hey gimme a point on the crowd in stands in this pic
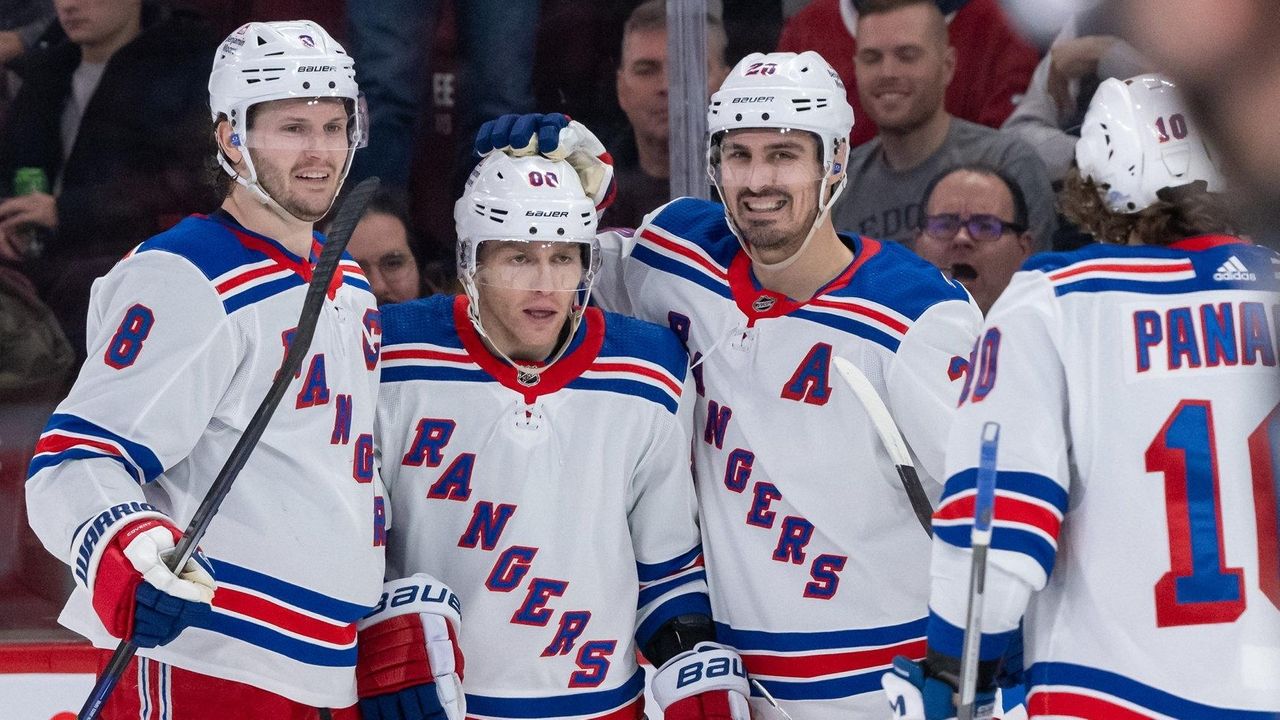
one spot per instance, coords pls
(963, 131)
(106, 99)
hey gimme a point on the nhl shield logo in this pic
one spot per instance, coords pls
(763, 303)
(526, 378)
(307, 40)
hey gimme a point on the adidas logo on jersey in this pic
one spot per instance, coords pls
(1233, 269)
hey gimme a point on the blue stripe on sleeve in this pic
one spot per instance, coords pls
(295, 595)
(694, 603)
(649, 572)
(140, 455)
(657, 590)
(278, 642)
(1003, 538)
(1008, 481)
(949, 639)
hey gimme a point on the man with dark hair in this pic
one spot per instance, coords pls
(381, 244)
(816, 560)
(644, 179)
(904, 65)
(975, 229)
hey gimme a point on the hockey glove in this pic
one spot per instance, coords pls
(133, 592)
(916, 694)
(707, 682)
(557, 137)
(409, 665)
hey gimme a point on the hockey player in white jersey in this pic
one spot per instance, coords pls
(1134, 388)
(536, 455)
(185, 336)
(817, 566)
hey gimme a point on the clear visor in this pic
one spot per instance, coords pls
(559, 266)
(765, 158)
(326, 124)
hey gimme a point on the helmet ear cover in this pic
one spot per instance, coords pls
(1137, 139)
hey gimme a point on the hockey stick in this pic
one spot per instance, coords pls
(891, 438)
(326, 265)
(770, 699)
(980, 539)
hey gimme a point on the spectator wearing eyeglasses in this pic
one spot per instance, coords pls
(380, 243)
(974, 229)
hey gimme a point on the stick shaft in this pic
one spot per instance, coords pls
(325, 267)
(891, 438)
(980, 541)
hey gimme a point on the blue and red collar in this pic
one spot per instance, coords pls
(583, 350)
(279, 254)
(758, 303)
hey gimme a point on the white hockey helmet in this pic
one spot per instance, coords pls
(529, 199)
(265, 61)
(787, 92)
(1139, 137)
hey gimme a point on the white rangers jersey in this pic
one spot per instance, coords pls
(1139, 411)
(817, 566)
(562, 513)
(185, 336)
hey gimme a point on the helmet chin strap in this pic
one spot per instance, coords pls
(823, 209)
(253, 186)
(525, 374)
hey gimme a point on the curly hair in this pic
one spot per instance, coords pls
(1179, 213)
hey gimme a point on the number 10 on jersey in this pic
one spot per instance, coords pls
(1200, 588)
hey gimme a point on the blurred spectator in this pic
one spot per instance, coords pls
(643, 171)
(389, 40)
(224, 16)
(992, 63)
(1226, 61)
(1048, 116)
(380, 243)
(904, 65)
(975, 229)
(22, 22)
(116, 115)
(578, 78)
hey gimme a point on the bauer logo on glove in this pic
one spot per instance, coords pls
(420, 589)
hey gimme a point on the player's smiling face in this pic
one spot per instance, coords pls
(299, 148)
(526, 292)
(770, 181)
